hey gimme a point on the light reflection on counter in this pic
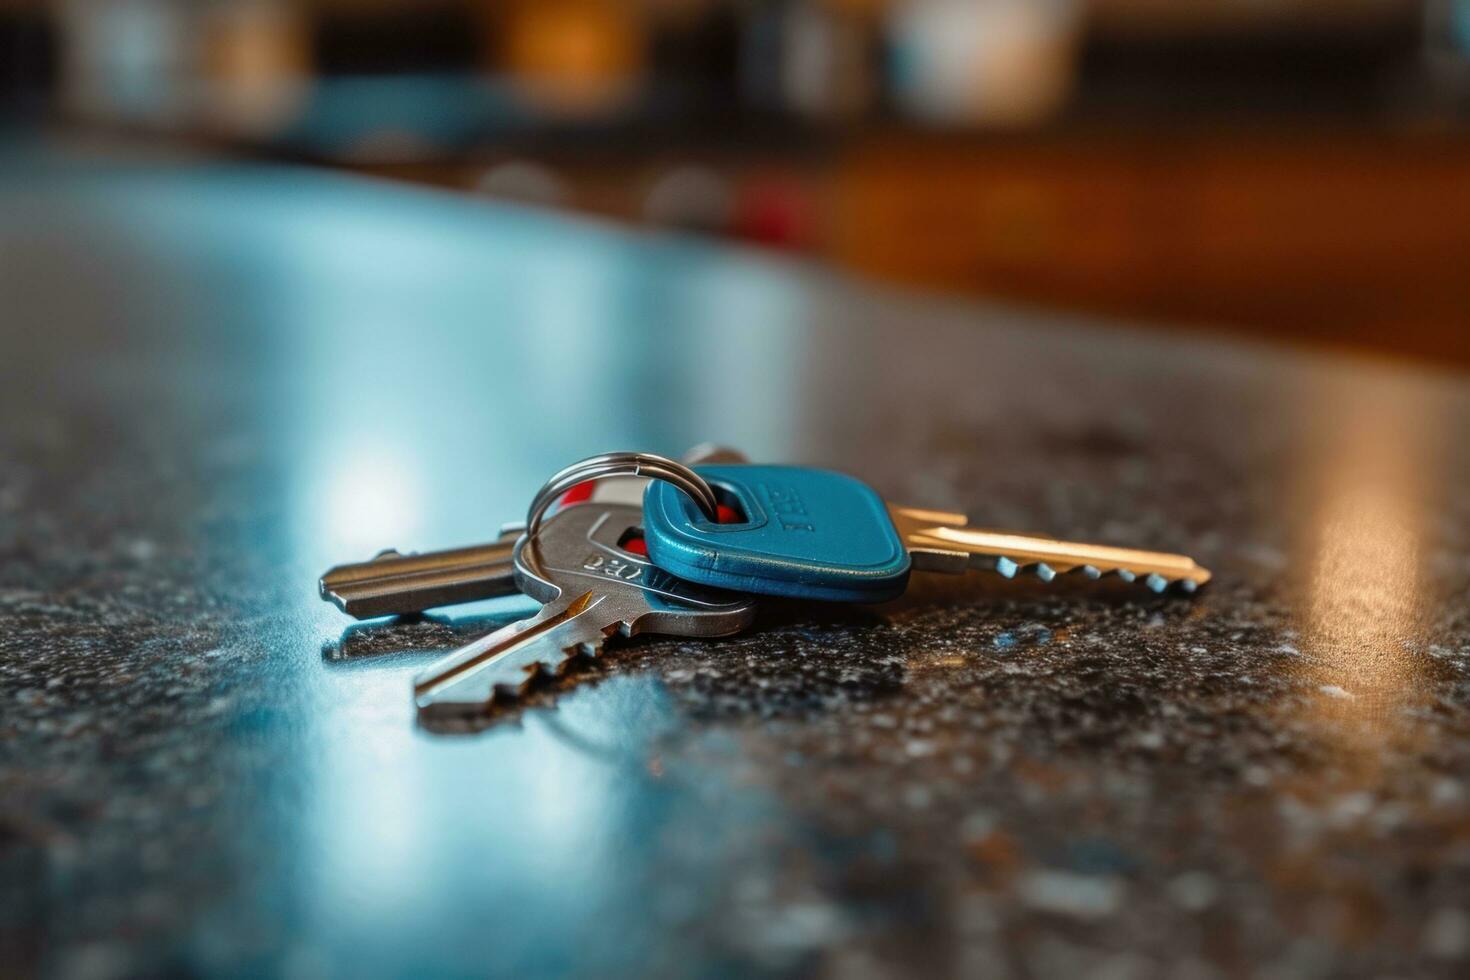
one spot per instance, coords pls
(403, 435)
(1366, 591)
(541, 822)
(409, 359)
(369, 497)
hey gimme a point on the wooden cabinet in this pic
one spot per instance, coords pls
(1326, 236)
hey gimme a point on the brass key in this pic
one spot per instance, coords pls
(942, 541)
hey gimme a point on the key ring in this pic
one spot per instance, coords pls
(649, 465)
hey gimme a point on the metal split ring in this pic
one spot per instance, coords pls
(648, 465)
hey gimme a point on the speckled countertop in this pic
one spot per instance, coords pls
(216, 381)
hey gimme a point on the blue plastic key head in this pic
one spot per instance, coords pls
(806, 534)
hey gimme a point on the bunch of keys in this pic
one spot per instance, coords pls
(641, 543)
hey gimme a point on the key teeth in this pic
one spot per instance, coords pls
(1153, 581)
(943, 542)
(513, 690)
(511, 693)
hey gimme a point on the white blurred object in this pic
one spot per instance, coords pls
(826, 69)
(524, 182)
(127, 60)
(808, 58)
(1005, 62)
(690, 198)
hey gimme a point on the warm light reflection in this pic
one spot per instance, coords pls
(1366, 590)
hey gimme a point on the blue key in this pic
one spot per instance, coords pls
(810, 534)
(815, 534)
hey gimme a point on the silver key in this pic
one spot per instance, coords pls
(592, 589)
(392, 583)
(396, 584)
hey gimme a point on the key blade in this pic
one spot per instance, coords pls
(506, 661)
(593, 590)
(393, 584)
(943, 541)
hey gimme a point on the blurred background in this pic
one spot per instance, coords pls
(1295, 169)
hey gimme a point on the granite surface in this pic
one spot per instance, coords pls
(216, 381)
